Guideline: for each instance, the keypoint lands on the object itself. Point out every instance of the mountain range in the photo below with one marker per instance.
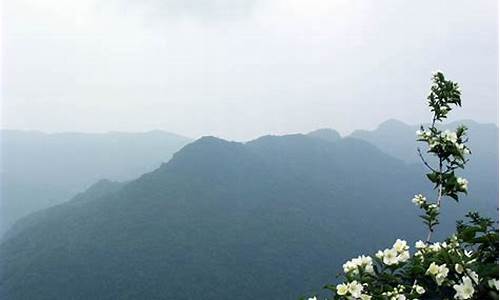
(274, 217)
(39, 170)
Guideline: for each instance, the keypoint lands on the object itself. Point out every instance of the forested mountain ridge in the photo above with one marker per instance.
(220, 220)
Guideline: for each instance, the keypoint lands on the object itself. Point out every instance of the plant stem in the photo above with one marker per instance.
(438, 200)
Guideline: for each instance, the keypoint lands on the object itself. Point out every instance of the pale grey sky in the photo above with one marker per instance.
(241, 68)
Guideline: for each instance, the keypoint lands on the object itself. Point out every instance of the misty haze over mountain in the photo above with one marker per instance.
(40, 170)
(244, 68)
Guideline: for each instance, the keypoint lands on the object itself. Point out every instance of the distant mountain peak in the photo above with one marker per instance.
(393, 123)
(326, 134)
(207, 150)
(272, 138)
(211, 139)
(209, 142)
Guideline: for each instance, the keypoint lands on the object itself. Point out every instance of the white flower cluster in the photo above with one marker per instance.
(448, 137)
(438, 246)
(363, 262)
(435, 247)
(438, 272)
(354, 288)
(423, 247)
(396, 294)
(397, 254)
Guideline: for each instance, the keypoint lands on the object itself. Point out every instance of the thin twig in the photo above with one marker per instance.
(438, 200)
(424, 161)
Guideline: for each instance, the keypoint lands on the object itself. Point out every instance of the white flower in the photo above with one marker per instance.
(433, 269)
(450, 136)
(420, 256)
(349, 267)
(462, 148)
(420, 245)
(462, 183)
(473, 275)
(390, 257)
(441, 276)
(342, 289)
(419, 200)
(404, 256)
(423, 134)
(313, 298)
(465, 290)
(365, 260)
(365, 297)
(369, 269)
(454, 241)
(379, 254)
(361, 261)
(355, 289)
(438, 272)
(419, 289)
(440, 279)
(493, 283)
(459, 269)
(435, 247)
(400, 246)
(434, 207)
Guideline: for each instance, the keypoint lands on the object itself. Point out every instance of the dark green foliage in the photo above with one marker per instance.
(444, 94)
(480, 235)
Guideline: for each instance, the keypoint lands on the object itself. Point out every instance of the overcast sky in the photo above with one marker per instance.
(239, 69)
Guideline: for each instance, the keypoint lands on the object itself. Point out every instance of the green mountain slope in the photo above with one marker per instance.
(221, 220)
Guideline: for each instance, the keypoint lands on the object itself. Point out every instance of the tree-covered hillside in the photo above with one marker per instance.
(272, 218)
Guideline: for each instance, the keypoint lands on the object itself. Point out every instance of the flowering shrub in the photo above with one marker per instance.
(465, 265)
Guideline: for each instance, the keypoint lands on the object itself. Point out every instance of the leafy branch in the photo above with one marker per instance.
(465, 265)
